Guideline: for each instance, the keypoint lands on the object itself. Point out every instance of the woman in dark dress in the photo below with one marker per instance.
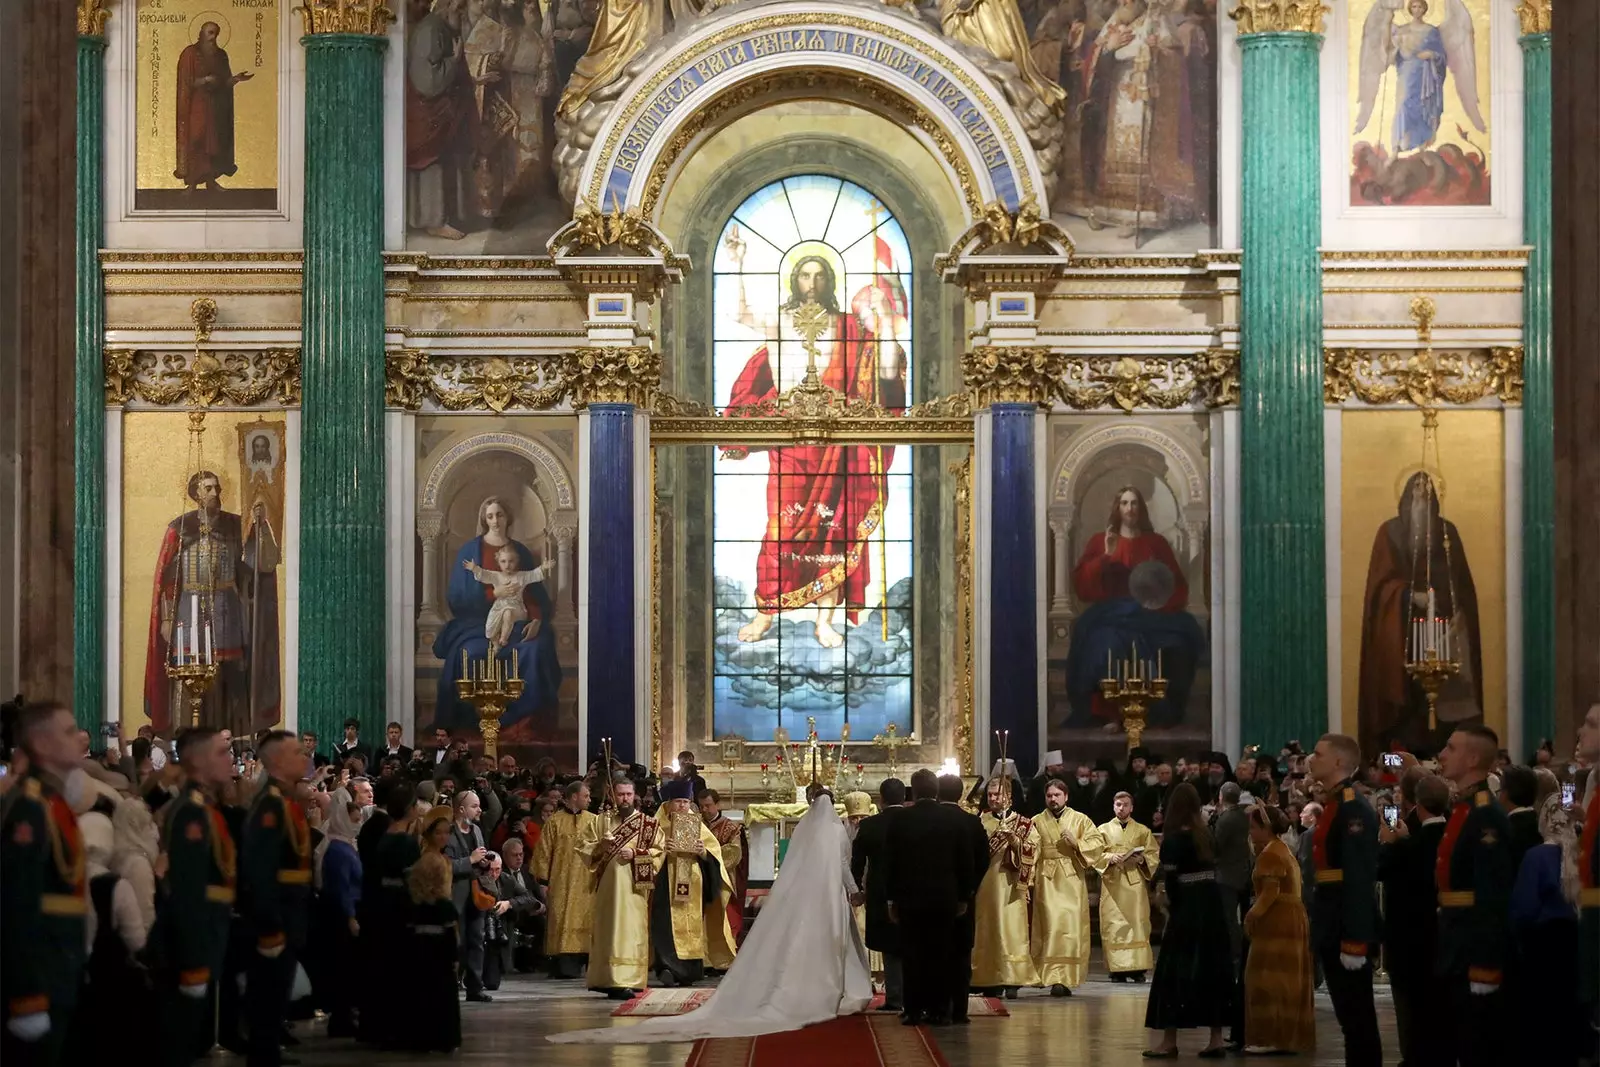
(386, 921)
(1193, 984)
(433, 1023)
(1544, 925)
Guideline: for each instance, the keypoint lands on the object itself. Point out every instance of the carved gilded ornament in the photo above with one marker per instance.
(1279, 16)
(995, 374)
(92, 15)
(810, 412)
(473, 383)
(1534, 16)
(619, 374)
(203, 378)
(1210, 378)
(1422, 376)
(964, 718)
(592, 228)
(367, 17)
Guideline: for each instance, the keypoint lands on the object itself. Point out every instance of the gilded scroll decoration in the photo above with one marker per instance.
(1279, 16)
(1021, 374)
(1027, 227)
(474, 383)
(614, 374)
(964, 683)
(1161, 382)
(203, 378)
(1422, 376)
(367, 17)
(592, 228)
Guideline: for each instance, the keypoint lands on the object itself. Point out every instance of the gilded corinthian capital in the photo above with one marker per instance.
(615, 374)
(1279, 16)
(1003, 374)
(369, 17)
(1534, 16)
(92, 15)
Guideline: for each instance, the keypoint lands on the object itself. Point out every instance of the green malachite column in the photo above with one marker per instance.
(1283, 632)
(89, 383)
(342, 644)
(1538, 432)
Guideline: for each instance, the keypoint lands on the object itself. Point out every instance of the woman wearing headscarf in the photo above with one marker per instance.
(434, 1023)
(339, 895)
(1544, 926)
(1193, 982)
(135, 845)
(1278, 1014)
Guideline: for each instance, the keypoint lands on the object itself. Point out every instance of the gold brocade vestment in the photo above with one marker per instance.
(619, 946)
(1061, 931)
(1125, 896)
(1000, 951)
(700, 931)
(556, 862)
(721, 955)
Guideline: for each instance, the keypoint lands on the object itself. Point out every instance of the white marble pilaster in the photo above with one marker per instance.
(1515, 741)
(1224, 629)
(1333, 515)
(113, 566)
(429, 522)
(399, 431)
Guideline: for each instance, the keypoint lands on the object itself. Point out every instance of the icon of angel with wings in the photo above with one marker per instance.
(1421, 54)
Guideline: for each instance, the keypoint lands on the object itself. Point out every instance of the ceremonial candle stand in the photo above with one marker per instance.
(1431, 673)
(490, 690)
(195, 679)
(1133, 697)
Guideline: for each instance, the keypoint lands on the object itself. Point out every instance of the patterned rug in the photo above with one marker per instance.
(679, 1001)
(853, 1041)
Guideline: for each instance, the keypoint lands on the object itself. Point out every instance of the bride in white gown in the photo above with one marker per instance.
(802, 963)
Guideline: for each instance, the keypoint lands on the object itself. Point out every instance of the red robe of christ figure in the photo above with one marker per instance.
(825, 503)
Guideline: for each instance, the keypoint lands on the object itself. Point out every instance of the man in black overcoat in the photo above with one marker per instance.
(867, 867)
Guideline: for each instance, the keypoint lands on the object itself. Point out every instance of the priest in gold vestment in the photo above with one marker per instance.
(1069, 848)
(1130, 858)
(625, 857)
(1001, 958)
(689, 912)
(558, 864)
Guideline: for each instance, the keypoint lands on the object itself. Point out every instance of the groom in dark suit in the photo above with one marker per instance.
(867, 867)
(930, 882)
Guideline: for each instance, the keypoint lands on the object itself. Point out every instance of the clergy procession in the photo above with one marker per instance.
(257, 906)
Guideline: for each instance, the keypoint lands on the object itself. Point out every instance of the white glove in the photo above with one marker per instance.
(1352, 963)
(1483, 989)
(30, 1027)
(271, 953)
(198, 992)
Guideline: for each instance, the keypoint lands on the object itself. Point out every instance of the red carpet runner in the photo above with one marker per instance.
(853, 1041)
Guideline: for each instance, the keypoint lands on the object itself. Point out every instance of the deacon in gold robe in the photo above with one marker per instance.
(625, 857)
(560, 867)
(1130, 858)
(689, 913)
(735, 844)
(1069, 848)
(1000, 953)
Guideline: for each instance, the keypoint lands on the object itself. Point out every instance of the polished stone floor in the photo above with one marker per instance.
(1101, 1025)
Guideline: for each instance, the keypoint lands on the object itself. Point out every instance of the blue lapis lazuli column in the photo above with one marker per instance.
(1013, 585)
(613, 543)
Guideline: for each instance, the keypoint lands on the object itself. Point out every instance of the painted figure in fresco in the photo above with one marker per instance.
(472, 598)
(530, 85)
(440, 123)
(814, 550)
(996, 27)
(1417, 551)
(205, 112)
(1421, 55)
(1138, 598)
(209, 561)
(1140, 78)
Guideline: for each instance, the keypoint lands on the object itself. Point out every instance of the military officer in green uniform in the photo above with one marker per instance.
(1344, 909)
(43, 899)
(1474, 874)
(276, 863)
(194, 908)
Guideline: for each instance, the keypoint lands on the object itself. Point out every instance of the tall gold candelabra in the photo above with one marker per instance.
(195, 679)
(1431, 671)
(1133, 685)
(489, 687)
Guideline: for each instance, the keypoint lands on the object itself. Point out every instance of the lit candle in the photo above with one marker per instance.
(208, 658)
(465, 673)
(194, 625)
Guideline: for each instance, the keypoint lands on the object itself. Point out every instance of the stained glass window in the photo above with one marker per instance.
(811, 546)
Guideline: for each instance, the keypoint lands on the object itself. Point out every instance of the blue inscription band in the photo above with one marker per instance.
(918, 74)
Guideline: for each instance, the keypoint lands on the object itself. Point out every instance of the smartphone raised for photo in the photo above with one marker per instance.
(1391, 815)
(1568, 793)
(1391, 759)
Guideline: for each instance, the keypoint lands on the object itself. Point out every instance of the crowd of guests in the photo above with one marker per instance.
(230, 886)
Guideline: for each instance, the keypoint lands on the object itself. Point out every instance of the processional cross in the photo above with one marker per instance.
(891, 740)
